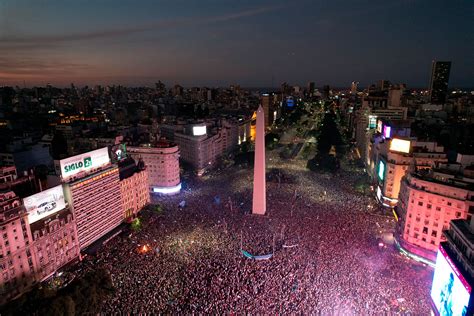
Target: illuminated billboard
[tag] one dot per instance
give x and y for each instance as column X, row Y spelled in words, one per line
column 379, row 126
column 400, row 145
column 44, row 203
column 290, row 102
column 387, row 131
column 76, row 164
column 119, row 152
column 450, row 292
column 372, row 121
column 381, row 172
column 199, row 130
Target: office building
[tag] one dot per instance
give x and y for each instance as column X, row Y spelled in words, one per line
column 267, row 104
column 428, row 201
column 439, row 81
column 92, row 188
column 162, row 165
column 393, row 158
column 134, row 187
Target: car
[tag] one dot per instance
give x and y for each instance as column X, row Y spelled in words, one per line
column 46, row 207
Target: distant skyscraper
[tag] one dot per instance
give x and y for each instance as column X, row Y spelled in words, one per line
column 311, row 87
column 267, row 104
column 439, row 81
column 354, row 87
column 259, row 205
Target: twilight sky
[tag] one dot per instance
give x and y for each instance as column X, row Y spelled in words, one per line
column 220, row 42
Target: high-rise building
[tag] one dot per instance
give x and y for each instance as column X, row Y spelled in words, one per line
column 391, row 159
column 311, row 87
column 92, row 188
column 439, row 81
column 427, row 204
column 267, row 105
column 162, row 165
column 354, row 85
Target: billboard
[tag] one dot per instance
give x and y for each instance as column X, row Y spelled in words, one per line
column 44, row 203
column 372, row 121
column 76, row 164
column 290, row 102
column 379, row 126
column 400, row 145
column 199, row 130
column 119, row 152
column 450, row 292
column 387, row 131
column 381, row 172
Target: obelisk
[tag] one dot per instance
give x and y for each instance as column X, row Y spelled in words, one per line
column 259, row 205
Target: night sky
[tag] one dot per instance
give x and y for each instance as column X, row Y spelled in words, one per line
column 221, row 42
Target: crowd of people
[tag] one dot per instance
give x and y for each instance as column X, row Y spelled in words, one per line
column 326, row 258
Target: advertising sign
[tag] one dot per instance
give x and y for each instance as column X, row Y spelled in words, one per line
column 290, row 102
column 44, row 203
column 387, row 131
column 450, row 292
column 379, row 126
column 381, row 172
column 76, row 164
column 119, row 152
column 199, row 130
column 372, row 121
column 400, row 145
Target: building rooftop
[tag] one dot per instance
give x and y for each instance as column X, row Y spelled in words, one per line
column 452, row 182
column 465, row 228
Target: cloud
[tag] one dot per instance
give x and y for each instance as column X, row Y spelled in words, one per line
column 10, row 66
column 11, row 40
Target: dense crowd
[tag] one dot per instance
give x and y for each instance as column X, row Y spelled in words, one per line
column 326, row 258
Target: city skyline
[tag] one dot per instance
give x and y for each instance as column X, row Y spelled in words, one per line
column 254, row 44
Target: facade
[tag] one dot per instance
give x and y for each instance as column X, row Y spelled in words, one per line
column 267, row 105
column 162, row 165
column 366, row 119
column 55, row 242
column 96, row 204
column 439, row 81
column 134, row 187
column 428, row 202
column 389, row 164
column 17, row 263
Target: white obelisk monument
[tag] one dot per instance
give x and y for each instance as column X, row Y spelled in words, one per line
column 259, row 205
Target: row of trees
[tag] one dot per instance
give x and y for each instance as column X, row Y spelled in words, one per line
column 81, row 296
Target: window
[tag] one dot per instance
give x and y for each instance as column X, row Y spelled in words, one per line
column 458, row 214
column 420, row 203
column 428, row 206
column 449, row 203
column 434, row 233
column 425, row 230
column 438, row 208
